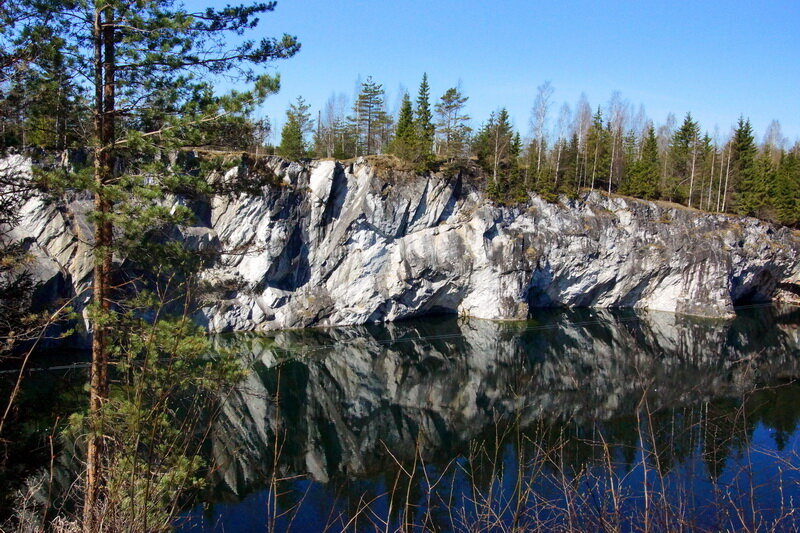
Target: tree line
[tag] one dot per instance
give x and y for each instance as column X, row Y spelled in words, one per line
column 612, row 148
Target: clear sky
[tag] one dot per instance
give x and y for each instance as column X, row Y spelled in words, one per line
column 717, row 60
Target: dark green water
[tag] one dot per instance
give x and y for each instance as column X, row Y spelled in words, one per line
column 588, row 420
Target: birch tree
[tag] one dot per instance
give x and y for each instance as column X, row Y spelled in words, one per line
column 564, row 118
column 617, row 112
column 582, row 122
column 541, row 107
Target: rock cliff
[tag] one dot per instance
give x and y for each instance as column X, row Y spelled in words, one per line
column 335, row 244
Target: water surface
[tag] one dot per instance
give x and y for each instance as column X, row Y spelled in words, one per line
column 587, row 419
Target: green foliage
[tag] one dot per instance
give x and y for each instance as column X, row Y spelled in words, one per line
column 786, row 195
column 452, row 126
column 230, row 132
column 149, row 70
column 497, row 147
column 370, row 120
column 405, row 142
column 749, row 179
column 168, row 384
column 423, row 120
column 643, row 175
column 682, row 154
column 298, row 124
column 598, row 150
column 570, row 166
column 41, row 105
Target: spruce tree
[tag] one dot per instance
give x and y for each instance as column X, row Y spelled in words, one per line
column 597, row 150
column 786, row 198
column 682, row 157
column 424, row 119
column 497, row 148
column 748, row 182
column 405, row 138
column 570, row 163
column 643, row 175
column 293, row 135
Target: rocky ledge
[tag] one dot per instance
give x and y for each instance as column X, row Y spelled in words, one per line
column 344, row 243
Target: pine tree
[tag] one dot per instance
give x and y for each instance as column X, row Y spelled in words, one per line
column 423, row 120
column 368, row 116
column 138, row 64
column 452, row 127
column 298, row 125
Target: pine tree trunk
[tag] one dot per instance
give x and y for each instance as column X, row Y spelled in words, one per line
column 104, row 71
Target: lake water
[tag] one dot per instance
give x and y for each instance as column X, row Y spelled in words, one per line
column 582, row 420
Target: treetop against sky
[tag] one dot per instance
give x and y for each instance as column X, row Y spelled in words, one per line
column 716, row 60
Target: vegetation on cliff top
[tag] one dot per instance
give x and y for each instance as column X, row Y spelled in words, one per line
column 613, row 149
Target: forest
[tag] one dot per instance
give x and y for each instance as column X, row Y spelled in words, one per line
column 101, row 95
column 613, row 148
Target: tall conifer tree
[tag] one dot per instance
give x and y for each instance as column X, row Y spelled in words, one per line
column 424, row 119
column 748, row 181
column 786, row 198
column 293, row 135
column 682, row 156
column 643, row 175
column 405, row 138
column 369, row 114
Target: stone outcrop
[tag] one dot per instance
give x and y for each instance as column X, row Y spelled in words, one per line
column 339, row 244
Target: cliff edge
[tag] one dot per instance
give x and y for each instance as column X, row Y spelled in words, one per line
column 331, row 243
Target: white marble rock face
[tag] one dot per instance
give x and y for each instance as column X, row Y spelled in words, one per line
column 343, row 244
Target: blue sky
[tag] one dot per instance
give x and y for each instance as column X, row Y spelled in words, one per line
column 715, row 59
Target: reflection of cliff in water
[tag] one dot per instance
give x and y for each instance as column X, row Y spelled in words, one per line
column 350, row 394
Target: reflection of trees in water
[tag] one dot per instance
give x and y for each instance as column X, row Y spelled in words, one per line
column 441, row 383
